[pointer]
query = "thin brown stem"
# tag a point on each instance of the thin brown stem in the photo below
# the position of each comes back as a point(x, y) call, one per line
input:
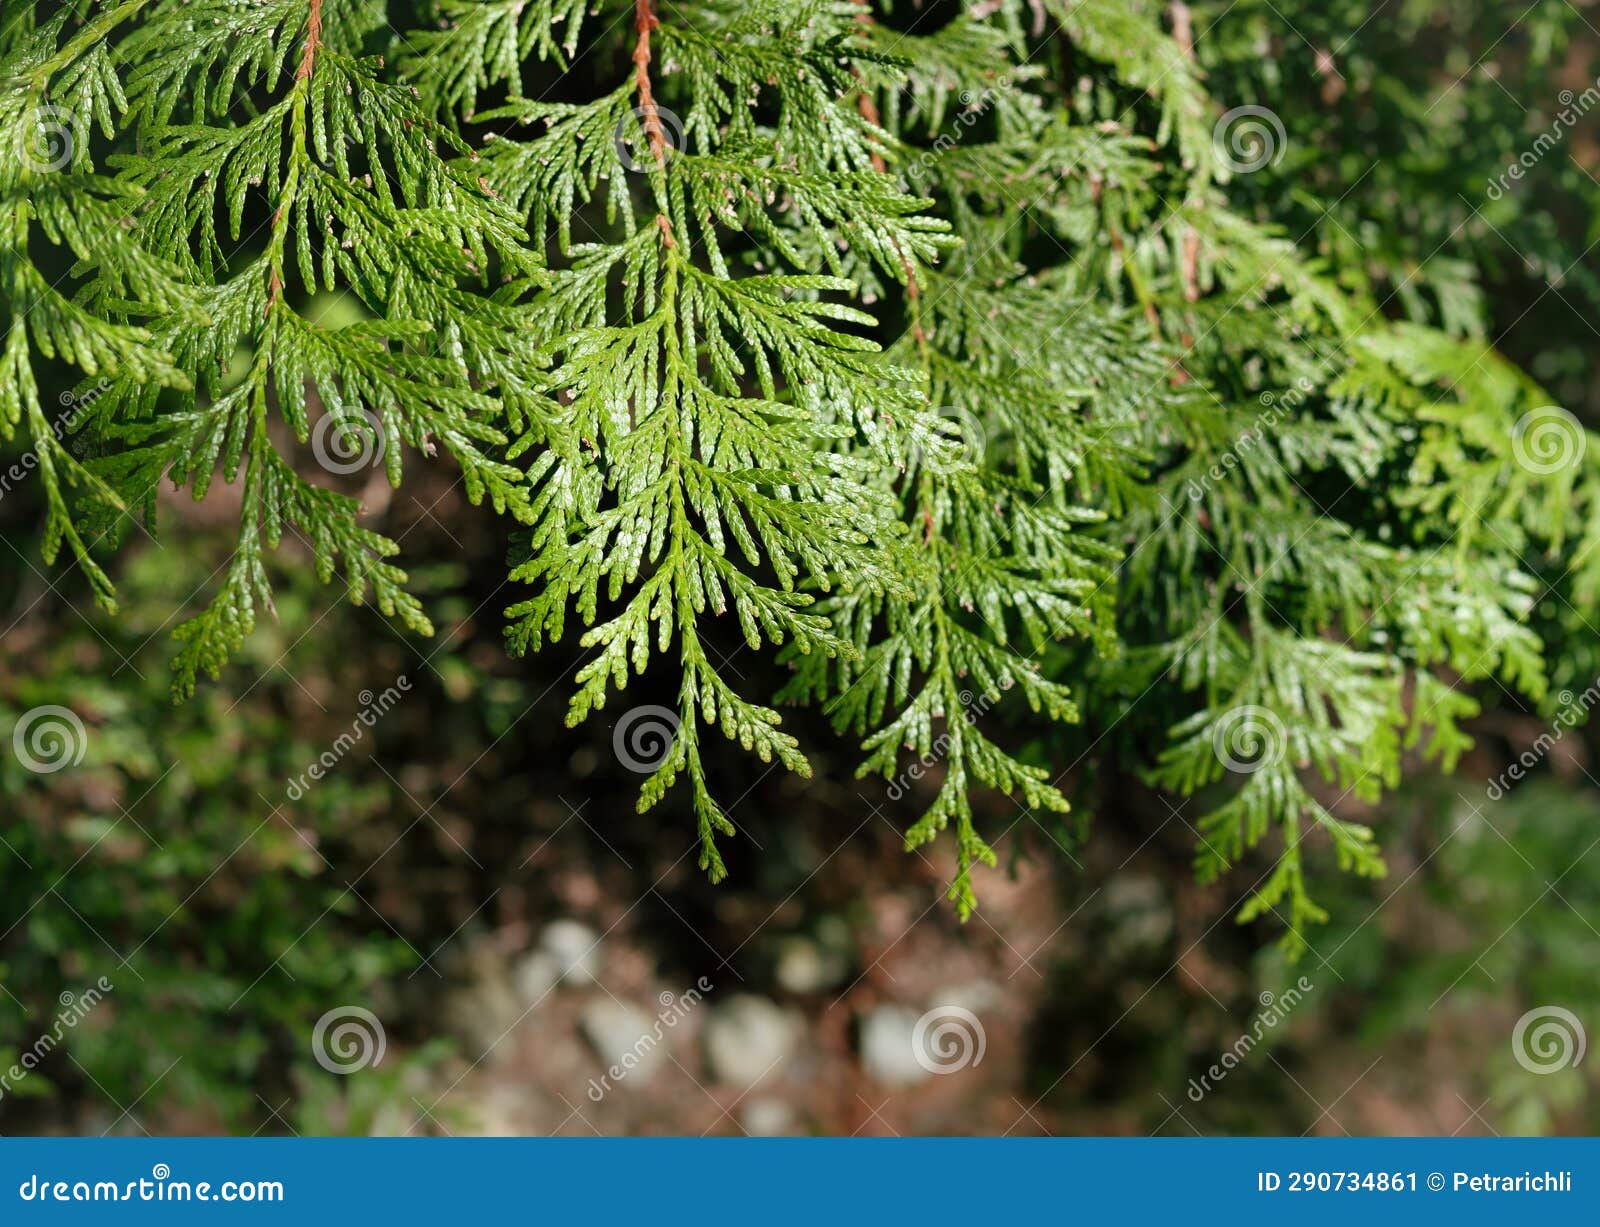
point(1191, 264)
point(280, 215)
point(1182, 28)
point(864, 102)
point(869, 112)
point(308, 53)
point(274, 278)
point(644, 21)
point(1183, 35)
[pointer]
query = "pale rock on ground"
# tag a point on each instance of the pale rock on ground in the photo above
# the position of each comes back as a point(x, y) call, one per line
point(535, 974)
point(767, 1118)
point(485, 1006)
point(974, 995)
point(748, 1039)
point(809, 965)
point(575, 948)
point(888, 1046)
point(614, 1030)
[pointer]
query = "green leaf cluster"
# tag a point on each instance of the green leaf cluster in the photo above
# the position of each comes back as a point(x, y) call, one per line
point(956, 363)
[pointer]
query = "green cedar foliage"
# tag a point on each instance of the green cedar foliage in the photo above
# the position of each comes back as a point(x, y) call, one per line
point(933, 347)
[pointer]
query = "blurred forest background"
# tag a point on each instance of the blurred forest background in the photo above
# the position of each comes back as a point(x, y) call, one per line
point(474, 874)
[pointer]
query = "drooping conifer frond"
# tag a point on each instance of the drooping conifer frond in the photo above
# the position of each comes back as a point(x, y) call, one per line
point(955, 361)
